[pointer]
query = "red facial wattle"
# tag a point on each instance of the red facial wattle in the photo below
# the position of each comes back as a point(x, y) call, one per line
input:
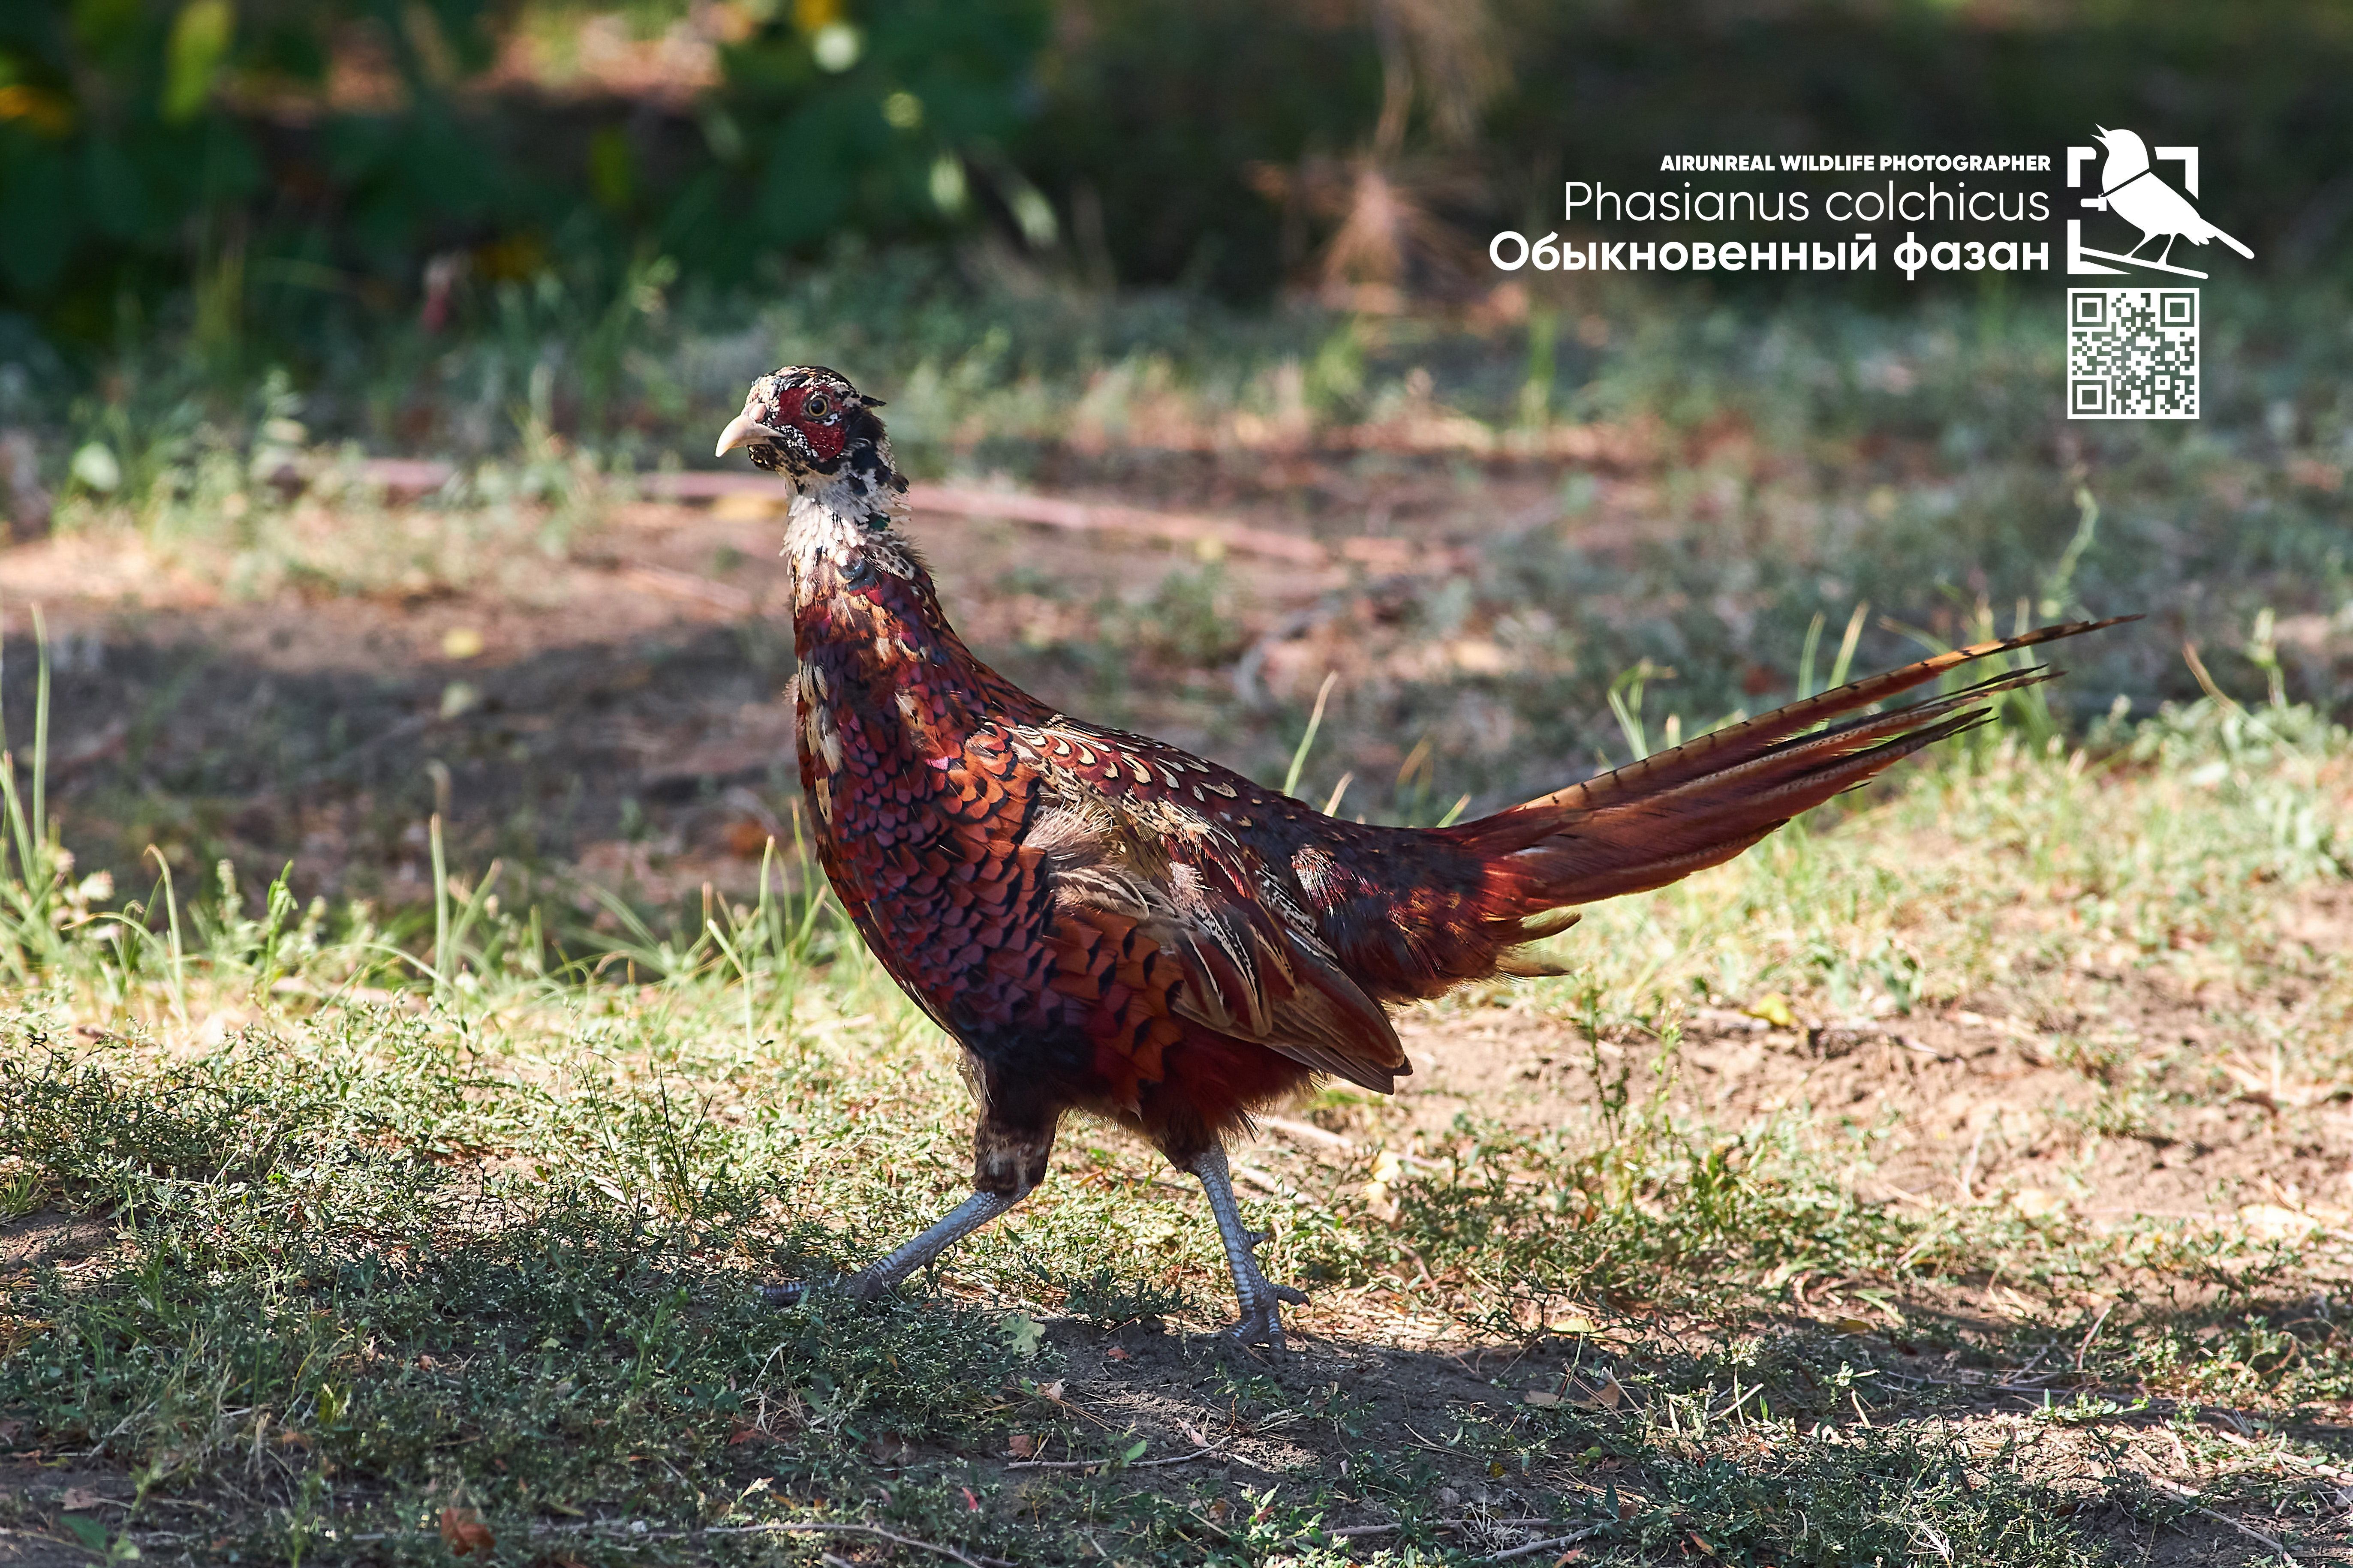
point(827, 432)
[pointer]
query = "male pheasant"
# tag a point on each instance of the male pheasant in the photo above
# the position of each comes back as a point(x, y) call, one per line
point(1106, 922)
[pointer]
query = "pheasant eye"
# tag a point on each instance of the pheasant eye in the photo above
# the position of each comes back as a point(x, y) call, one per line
point(817, 406)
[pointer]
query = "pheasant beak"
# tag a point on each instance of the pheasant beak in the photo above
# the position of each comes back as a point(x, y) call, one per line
point(741, 431)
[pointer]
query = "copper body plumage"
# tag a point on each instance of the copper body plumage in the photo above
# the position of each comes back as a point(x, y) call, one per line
point(1106, 922)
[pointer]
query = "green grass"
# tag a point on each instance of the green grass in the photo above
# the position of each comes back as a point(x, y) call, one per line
point(381, 1232)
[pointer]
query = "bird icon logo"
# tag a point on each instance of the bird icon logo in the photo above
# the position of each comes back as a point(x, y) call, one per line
point(2131, 188)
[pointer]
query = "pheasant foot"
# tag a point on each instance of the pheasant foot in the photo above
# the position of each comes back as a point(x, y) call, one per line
point(1262, 1299)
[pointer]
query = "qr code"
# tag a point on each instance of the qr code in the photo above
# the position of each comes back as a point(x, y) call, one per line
point(2132, 353)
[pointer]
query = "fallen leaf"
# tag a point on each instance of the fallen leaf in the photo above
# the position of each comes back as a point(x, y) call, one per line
point(461, 642)
point(2272, 1222)
point(2034, 1202)
point(1541, 1400)
point(88, 1532)
point(2011, 1302)
point(77, 1498)
point(1021, 1445)
point(463, 1530)
point(971, 1501)
point(1852, 1326)
point(1773, 1009)
point(1052, 1391)
point(1116, 1352)
point(1023, 1334)
point(1579, 1326)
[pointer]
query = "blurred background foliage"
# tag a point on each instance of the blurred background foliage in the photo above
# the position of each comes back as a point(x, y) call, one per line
point(297, 169)
point(284, 160)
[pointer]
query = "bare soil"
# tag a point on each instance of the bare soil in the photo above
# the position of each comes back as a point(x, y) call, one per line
point(1977, 1102)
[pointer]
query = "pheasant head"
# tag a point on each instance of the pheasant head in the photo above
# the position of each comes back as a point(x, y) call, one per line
point(809, 425)
point(805, 422)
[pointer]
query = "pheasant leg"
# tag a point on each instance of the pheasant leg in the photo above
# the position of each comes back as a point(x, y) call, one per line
point(882, 1276)
point(1260, 1298)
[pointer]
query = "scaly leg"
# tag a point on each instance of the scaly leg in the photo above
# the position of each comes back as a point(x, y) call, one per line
point(882, 1276)
point(1009, 1161)
point(1260, 1298)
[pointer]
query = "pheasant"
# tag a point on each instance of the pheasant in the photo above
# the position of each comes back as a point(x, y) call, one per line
point(1106, 922)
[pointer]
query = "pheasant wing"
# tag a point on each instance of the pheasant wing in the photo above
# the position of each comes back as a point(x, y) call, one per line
point(1256, 969)
point(1161, 934)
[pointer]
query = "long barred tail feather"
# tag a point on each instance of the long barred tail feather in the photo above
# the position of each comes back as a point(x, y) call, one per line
point(1662, 818)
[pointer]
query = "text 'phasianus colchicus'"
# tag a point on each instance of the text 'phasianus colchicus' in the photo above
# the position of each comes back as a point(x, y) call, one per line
point(1106, 923)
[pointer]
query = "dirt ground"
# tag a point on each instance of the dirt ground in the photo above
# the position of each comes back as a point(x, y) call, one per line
point(643, 669)
point(1975, 1098)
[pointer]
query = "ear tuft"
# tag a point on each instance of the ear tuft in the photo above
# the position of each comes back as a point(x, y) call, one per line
point(870, 402)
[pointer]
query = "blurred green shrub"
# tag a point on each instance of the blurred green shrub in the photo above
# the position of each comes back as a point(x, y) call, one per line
point(124, 167)
point(1157, 116)
point(225, 157)
point(881, 124)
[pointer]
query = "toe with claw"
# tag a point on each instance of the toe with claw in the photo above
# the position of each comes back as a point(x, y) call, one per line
point(1261, 1322)
point(885, 1274)
point(866, 1286)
